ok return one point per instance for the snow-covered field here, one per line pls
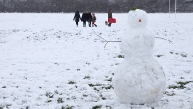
(46, 62)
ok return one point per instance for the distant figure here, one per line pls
(106, 23)
(93, 20)
(89, 18)
(84, 18)
(110, 16)
(77, 17)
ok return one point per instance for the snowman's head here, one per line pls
(137, 18)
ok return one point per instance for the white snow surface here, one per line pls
(139, 79)
(46, 62)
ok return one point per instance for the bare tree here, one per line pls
(92, 5)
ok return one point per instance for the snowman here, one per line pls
(139, 79)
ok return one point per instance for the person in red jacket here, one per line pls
(93, 20)
(110, 16)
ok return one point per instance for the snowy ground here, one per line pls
(46, 62)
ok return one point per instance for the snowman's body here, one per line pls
(139, 79)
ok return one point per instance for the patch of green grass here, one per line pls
(103, 98)
(108, 107)
(48, 101)
(109, 79)
(88, 63)
(184, 55)
(27, 107)
(59, 100)
(117, 64)
(184, 83)
(92, 85)
(180, 85)
(172, 87)
(5, 106)
(49, 95)
(73, 97)
(170, 94)
(107, 87)
(120, 56)
(181, 77)
(97, 107)
(86, 77)
(84, 95)
(56, 63)
(71, 82)
(95, 89)
(56, 92)
(188, 71)
(67, 107)
(159, 56)
(98, 87)
(15, 30)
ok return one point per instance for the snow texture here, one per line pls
(46, 62)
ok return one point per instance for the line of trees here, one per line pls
(93, 5)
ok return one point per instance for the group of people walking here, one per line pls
(91, 18)
(86, 17)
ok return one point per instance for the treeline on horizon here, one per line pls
(119, 6)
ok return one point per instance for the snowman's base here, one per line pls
(140, 104)
(139, 82)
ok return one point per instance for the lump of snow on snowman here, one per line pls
(139, 79)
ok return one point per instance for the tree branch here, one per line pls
(164, 39)
(108, 42)
(104, 40)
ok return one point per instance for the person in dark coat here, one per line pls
(77, 17)
(84, 17)
(89, 18)
(110, 16)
